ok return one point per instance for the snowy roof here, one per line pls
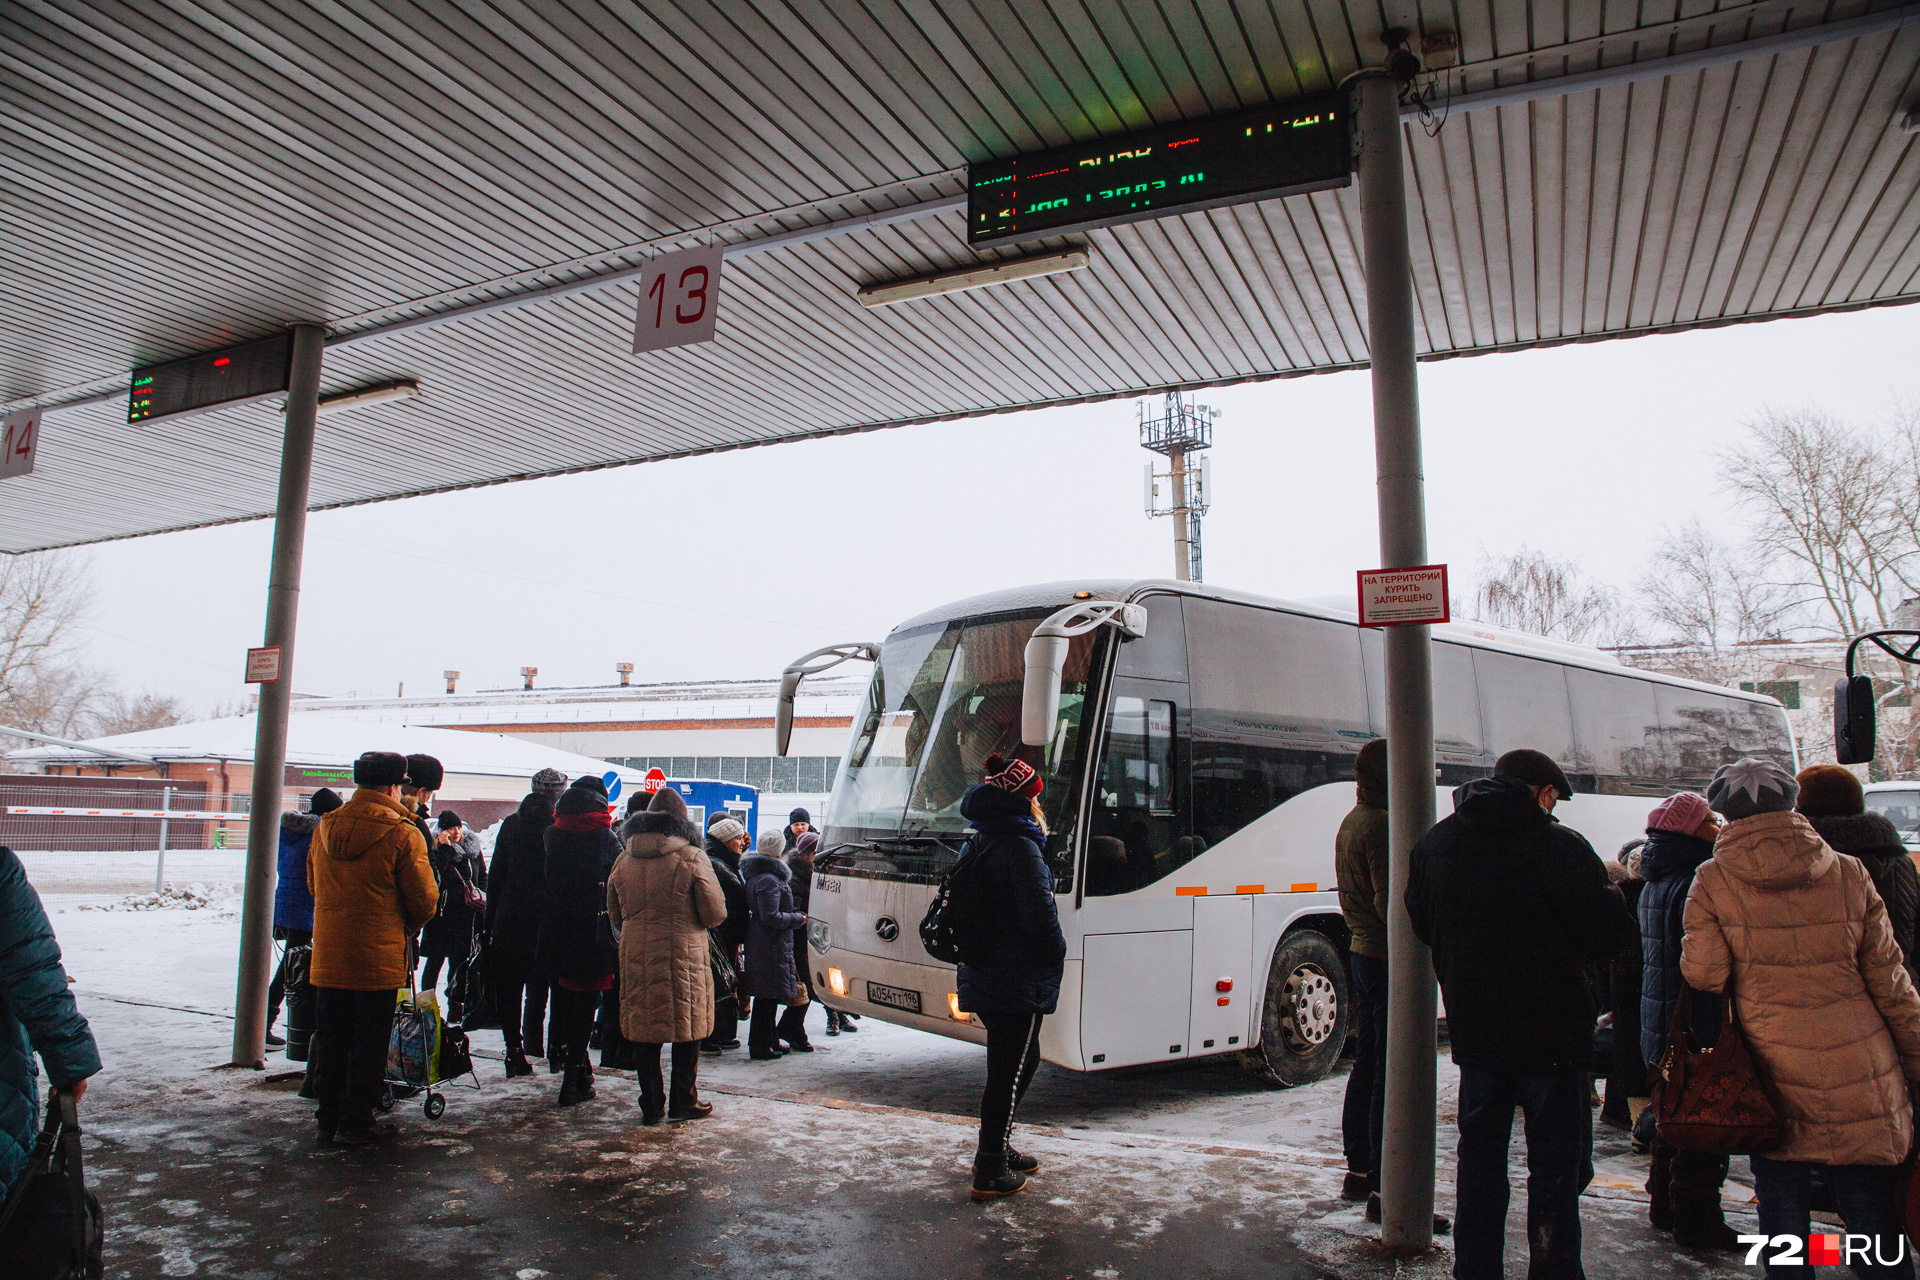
(835, 696)
(335, 741)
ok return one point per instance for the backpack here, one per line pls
(950, 930)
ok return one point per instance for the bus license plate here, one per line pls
(893, 997)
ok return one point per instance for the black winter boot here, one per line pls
(517, 1065)
(1660, 1189)
(576, 1085)
(993, 1179)
(1698, 1220)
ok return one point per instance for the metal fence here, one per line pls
(81, 829)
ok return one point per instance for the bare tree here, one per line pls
(1707, 594)
(1534, 592)
(134, 713)
(42, 604)
(1832, 512)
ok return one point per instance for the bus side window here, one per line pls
(1136, 836)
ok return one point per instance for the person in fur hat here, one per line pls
(1832, 800)
(771, 979)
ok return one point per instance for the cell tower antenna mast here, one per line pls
(1181, 434)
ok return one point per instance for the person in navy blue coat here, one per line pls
(37, 1015)
(293, 901)
(1016, 954)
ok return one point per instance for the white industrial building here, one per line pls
(698, 729)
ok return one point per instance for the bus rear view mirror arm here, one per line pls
(812, 664)
(1046, 657)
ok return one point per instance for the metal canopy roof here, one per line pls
(180, 174)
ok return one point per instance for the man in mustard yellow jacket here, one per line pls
(372, 890)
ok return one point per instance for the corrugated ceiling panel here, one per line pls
(172, 178)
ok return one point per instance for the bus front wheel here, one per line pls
(1308, 1013)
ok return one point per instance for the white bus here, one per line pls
(1198, 757)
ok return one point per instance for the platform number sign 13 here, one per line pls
(679, 300)
(22, 438)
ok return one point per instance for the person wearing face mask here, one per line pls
(1515, 907)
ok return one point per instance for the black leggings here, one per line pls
(1013, 1055)
(430, 975)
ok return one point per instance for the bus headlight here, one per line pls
(837, 982)
(820, 936)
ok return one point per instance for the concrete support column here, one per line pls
(1407, 1161)
(270, 741)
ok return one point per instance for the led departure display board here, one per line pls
(1277, 150)
(229, 376)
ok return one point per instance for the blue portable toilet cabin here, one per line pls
(707, 796)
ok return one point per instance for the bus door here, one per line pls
(1137, 972)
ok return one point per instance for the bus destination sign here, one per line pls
(208, 381)
(1278, 150)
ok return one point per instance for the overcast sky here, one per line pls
(731, 565)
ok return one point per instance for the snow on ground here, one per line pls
(887, 1111)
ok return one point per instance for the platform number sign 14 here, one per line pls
(22, 438)
(679, 300)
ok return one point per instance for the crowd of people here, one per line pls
(1774, 903)
(1777, 893)
(588, 929)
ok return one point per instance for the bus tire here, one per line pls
(1308, 1012)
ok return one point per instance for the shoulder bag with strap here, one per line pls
(50, 1228)
(1714, 1099)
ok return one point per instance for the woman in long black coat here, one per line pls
(577, 949)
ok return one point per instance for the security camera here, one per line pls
(1403, 64)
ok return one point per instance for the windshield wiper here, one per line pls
(824, 860)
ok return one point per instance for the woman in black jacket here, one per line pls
(577, 948)
(1015, 955)
(1831, 799)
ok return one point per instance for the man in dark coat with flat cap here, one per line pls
(1515, 906)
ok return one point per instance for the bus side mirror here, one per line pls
(1040, 697)
(1046, 659)
(783, 710)
(811, 665)
(1853, 728)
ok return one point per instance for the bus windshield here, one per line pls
(943, 698)
(1902, 809)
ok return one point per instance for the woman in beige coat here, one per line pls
(1802, 937)
(662, 898)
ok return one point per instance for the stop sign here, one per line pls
(654, 779)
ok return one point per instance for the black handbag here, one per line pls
(725, 980)
(50, 1228)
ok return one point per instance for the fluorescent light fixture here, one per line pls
(1045, 264)
(360, 397)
